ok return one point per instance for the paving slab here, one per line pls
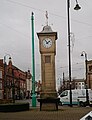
(64, 113)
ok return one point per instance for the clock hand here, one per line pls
(46, 42)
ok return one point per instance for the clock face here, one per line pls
(47, 42)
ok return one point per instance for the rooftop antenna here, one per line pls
(46, 15)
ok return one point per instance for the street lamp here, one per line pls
(87, 97)
(5, 81)
(33, 64)
(77, 7)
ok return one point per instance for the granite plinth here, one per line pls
(48, 102)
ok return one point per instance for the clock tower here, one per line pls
(47, 48)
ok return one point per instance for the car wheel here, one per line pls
(82, 104)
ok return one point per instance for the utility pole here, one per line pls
(77, 7)
(63, 81)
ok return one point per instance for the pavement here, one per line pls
(63, 113)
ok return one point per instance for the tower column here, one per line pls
(47, 48)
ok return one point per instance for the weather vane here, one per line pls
(46, 15)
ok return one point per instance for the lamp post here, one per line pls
(77, 7)
(33, 65)
(87, 96)
(5, 72)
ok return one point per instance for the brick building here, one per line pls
(75, 84)
(1, 78)
(12, 81)
(89, 75)
(80, 83)
(15, 82)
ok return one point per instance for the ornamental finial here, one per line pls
(46, 18)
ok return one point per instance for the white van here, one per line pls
(78, 97)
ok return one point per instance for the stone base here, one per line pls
(48, 107)
(48, 103)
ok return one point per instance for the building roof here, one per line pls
(89, 62)
(46, 29)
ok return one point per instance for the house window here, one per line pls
(48, 59)
(0, 74)
(1, 95)
(90, 68)
(0, 85)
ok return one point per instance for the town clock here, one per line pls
(47, 48)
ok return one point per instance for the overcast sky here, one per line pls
(15, 33)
